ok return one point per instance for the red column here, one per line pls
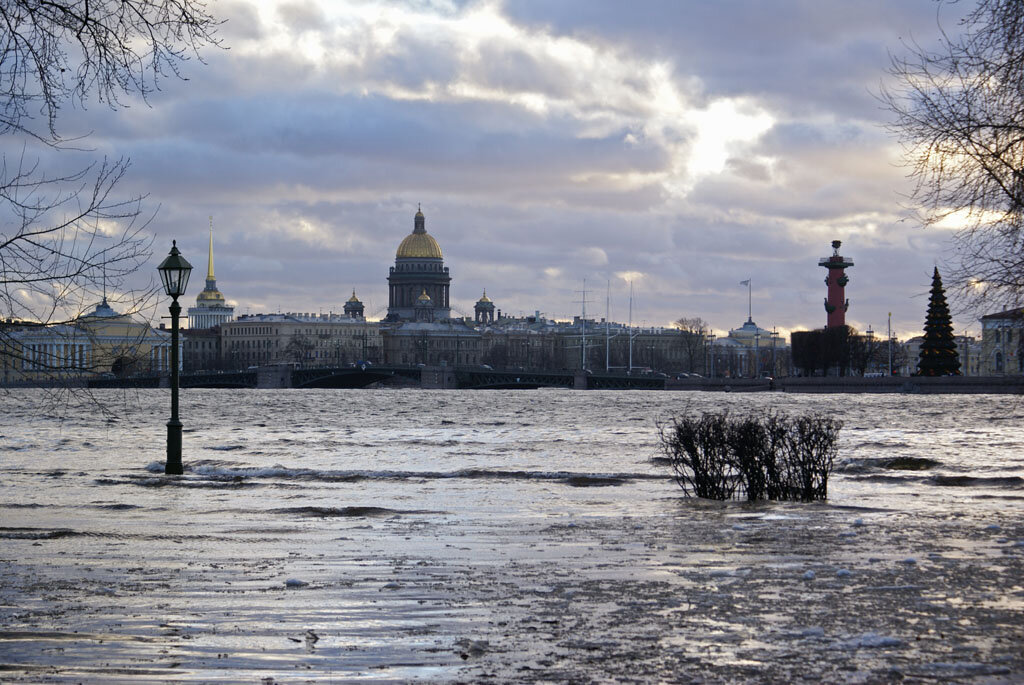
(836, 303)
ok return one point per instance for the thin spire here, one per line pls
(209, 268)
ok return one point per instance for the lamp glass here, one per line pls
(174, 272)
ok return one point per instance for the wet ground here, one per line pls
(711, 593)
(518, 537)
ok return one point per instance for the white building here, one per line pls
(1002, 343)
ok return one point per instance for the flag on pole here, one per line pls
(746, 282)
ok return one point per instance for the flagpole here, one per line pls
(750, 301)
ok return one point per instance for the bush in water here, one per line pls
(762, 456)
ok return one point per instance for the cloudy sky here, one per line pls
(682, 146)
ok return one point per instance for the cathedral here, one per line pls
(418, 283)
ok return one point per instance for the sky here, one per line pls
(555, 147)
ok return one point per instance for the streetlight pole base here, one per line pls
(174, 465)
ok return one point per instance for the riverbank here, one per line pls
(944, 385)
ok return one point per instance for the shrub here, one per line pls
(761, 456)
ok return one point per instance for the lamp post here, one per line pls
(888, 333)
(711, 353)
(174, 272)
(757, 355)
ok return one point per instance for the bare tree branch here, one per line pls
(67, 237)
(959, 114)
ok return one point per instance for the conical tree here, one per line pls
(939, 356)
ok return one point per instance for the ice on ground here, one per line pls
(870, 641)
(809, 575)
(295, 582)
(966, 668)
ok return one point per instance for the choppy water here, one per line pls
(111, 570)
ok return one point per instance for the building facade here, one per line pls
(432, 343)
(748, 352)
(304, 339)
(201, 350)
(1002, 343)
(99, 344)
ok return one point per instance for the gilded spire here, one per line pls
(209, 268)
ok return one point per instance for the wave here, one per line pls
(881, 444)
(886, 478)
(978, 481)
(37, 533)
(239, 474)
(903, 463)
(345, 512)
(235, 483)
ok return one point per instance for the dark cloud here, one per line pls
(555, 150)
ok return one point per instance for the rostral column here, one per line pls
(836, 303)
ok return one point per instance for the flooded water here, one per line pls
(518, 535)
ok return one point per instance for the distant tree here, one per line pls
(693, 334)
(867, 351)
(939, 356)
(299, 348)
(960, 116)
(65, 236)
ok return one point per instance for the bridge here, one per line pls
(363, 375)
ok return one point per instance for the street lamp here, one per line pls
(174, 272)
(711, 352)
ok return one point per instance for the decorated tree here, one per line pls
(938, 350)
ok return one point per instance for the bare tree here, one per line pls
(67, 237)
(694, 331)
(54, 52)
(960, 117)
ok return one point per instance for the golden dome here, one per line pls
(353, 298)
(484, 298)
(423, 296)
(419, 244)
(209, 296)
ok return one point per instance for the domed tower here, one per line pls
(419, 269)
(484, 309)
(211, 309)
(354, 308)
